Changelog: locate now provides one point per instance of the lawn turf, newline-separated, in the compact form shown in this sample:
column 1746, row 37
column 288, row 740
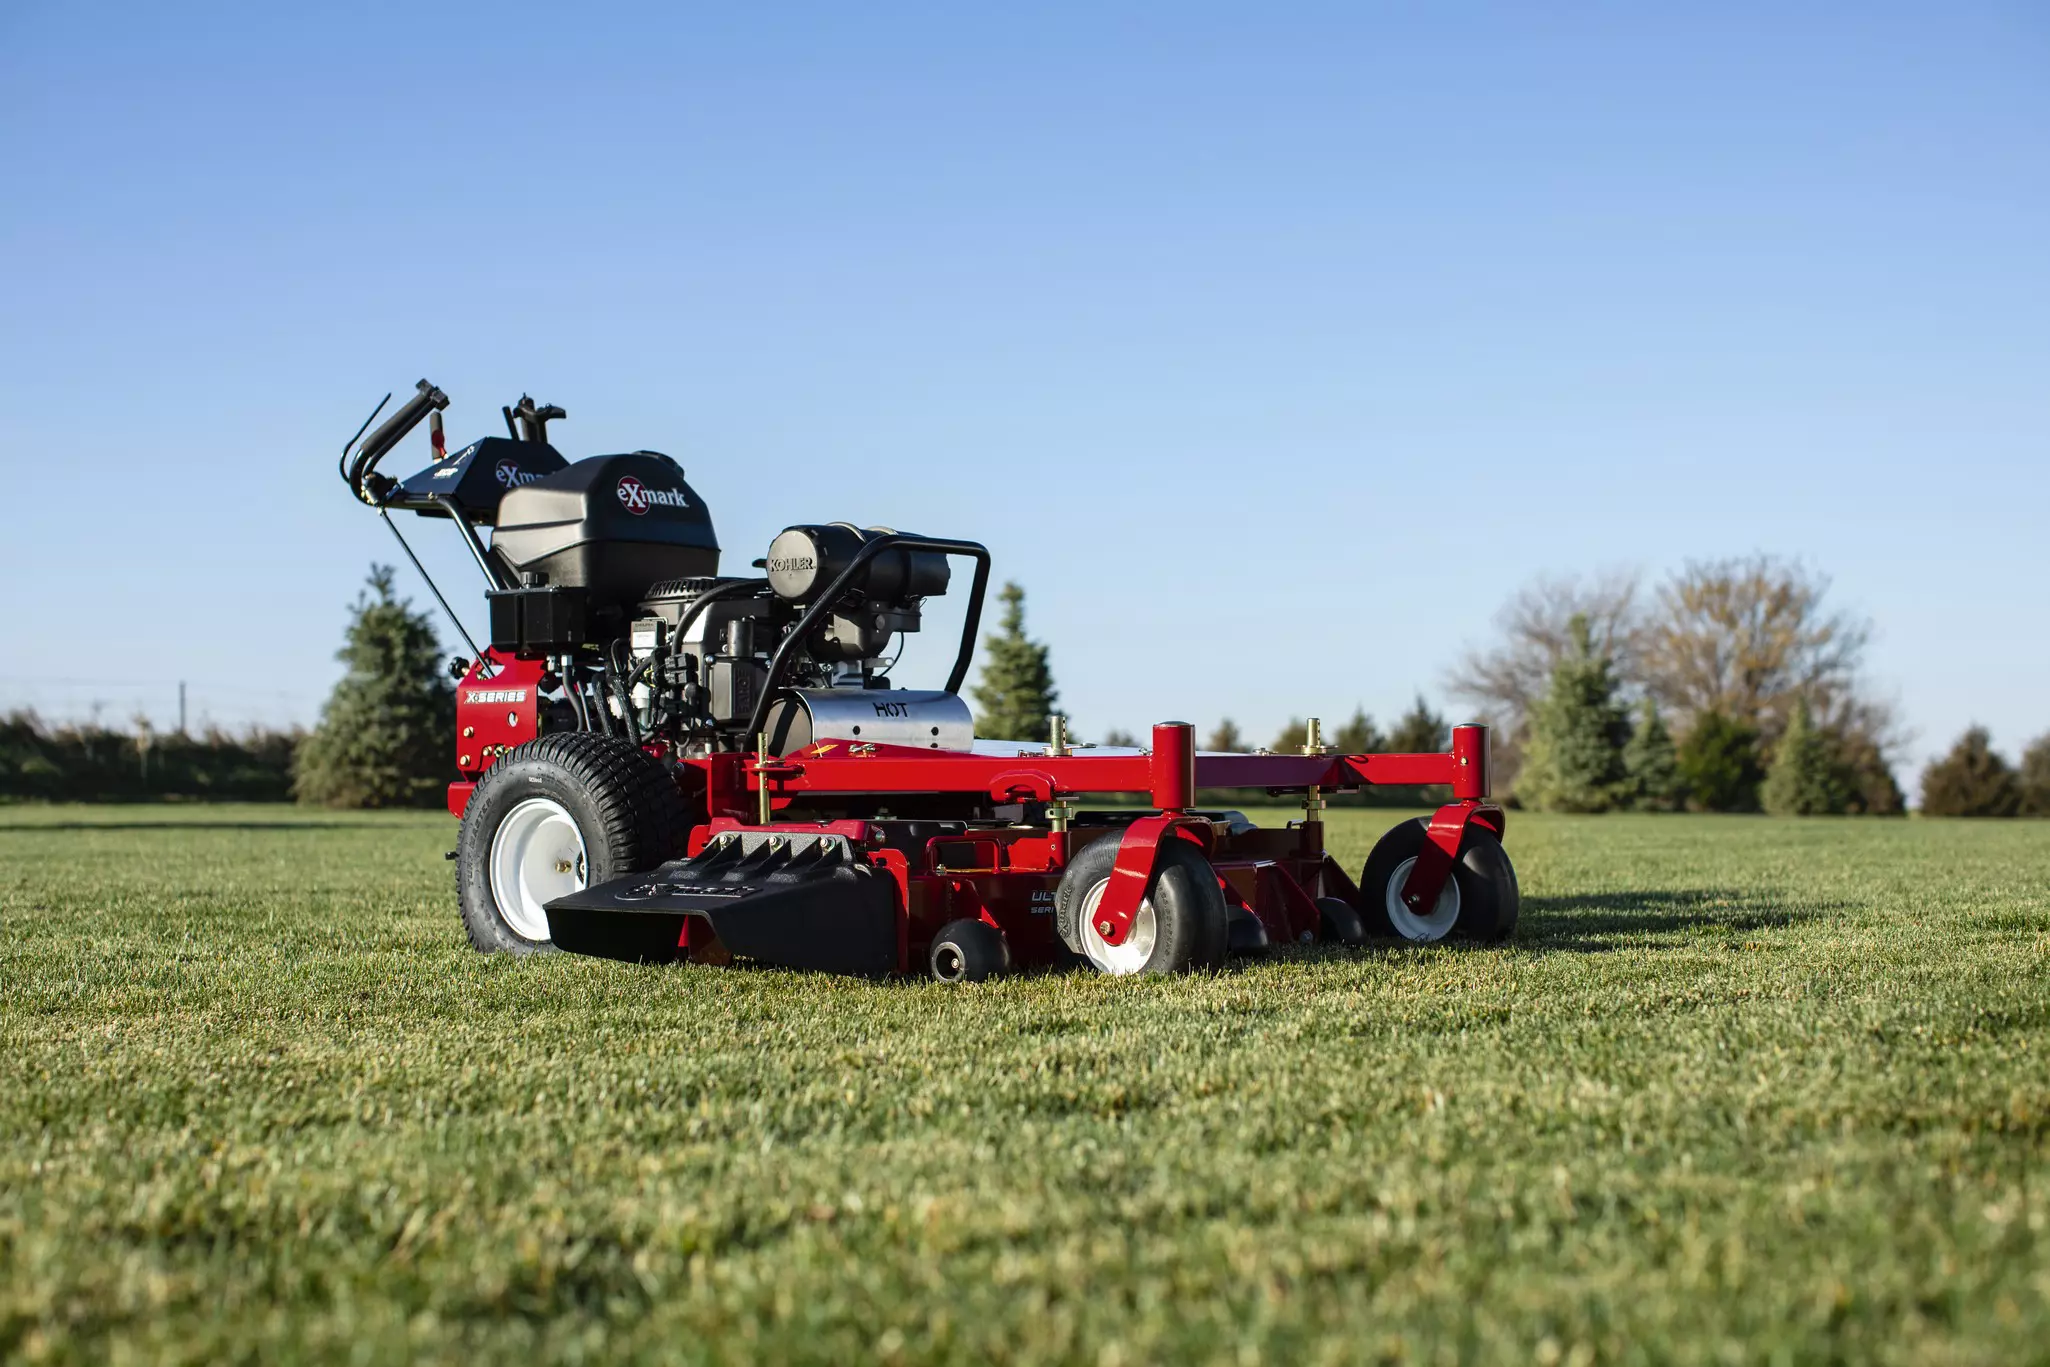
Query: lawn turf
column 1741, row 1090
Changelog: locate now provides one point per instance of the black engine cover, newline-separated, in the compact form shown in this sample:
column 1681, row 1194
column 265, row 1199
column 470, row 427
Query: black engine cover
column 612, row 525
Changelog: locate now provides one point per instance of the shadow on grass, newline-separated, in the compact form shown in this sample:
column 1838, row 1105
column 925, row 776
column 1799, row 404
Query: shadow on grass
column 1593, row 922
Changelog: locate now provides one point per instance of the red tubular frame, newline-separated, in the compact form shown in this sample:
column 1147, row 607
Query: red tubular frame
column 1276, row 874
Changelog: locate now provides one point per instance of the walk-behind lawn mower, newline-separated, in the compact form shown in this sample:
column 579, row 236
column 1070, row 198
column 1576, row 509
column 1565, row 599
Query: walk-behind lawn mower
column 659, row 762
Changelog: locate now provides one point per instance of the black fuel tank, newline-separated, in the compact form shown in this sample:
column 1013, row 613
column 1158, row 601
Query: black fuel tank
column 612, row 525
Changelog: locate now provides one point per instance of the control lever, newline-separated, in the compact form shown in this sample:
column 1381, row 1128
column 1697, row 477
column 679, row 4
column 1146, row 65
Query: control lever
column 534, row 419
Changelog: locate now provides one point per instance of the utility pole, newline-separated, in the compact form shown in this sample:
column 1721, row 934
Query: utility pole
column 181, row 707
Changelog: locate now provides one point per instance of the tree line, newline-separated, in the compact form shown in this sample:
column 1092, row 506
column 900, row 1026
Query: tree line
column 1731, row 686
column 95, row 763
column 383, row 739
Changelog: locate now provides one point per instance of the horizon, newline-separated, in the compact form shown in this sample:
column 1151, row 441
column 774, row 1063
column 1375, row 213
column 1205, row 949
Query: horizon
column 1270, row 354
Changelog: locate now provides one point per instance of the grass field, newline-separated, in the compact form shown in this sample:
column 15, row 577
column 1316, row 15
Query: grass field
column 1741, row 1091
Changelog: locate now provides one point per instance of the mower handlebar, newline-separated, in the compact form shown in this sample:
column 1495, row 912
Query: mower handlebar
column 362, row 469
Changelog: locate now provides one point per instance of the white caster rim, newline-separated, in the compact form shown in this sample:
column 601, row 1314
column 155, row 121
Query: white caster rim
column 537, row 855
column 1427, row 928
column 1119, row 960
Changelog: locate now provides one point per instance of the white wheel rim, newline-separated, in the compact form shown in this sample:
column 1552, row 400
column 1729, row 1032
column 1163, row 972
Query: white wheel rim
column 1117, row 960
column 537, row 855
column 1408, row 924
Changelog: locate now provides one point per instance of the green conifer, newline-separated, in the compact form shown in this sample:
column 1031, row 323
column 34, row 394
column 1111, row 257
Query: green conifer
column 1014, row 700
column 1867, row 777
column 1972, row 780
column 1719, row 764
column 1359, row 735
column 1806, row 777
column 387, row 729
column 1577, row 733
column 2035, row 778
column 1651, row 763
column 1420, row 731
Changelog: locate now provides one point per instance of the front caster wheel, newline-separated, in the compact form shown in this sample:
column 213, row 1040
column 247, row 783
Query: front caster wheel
column 968, row 951
column 1480, row 900
column 1181, row 924
column 1338, row 923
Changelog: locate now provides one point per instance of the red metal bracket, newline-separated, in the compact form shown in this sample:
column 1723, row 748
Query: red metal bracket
column 1022, row 785
column 497, row 708
column 1441, row 849
column 1133, row 870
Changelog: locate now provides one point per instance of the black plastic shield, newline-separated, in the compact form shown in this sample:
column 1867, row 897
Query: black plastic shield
column 795, row 901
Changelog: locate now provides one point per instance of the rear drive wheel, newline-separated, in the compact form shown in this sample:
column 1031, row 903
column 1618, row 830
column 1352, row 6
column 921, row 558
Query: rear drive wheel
column 1480, row 900
column 1181, row 924
column 552, row 816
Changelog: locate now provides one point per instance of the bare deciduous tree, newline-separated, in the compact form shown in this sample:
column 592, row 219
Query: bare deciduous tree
column 1742, row 638
column 1505, row 680
column 1748, row 638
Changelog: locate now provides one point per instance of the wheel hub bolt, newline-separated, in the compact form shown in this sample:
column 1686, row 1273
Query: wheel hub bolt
column 563, row 866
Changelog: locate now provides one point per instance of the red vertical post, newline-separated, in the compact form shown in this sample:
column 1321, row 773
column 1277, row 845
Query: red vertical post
column 1173, row 772
column 1470, row 763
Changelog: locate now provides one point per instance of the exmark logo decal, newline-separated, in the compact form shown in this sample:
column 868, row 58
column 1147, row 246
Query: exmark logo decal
column 490, row 695
column 510, row 474
column 636, row 497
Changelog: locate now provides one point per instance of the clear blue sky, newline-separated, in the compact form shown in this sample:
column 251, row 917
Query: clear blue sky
column 1269, row 346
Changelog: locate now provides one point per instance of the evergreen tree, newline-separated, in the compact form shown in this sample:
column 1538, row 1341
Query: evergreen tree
column 2035, row 777
column 1123, row 739
column 1972, row 780
column 1226, row 737
column 1359, row 735
column 1719, row 764
column 1866, row 776
column 386, row 730
column 1806, row 777
column 1420, row 731
column 1015, row 698
column 1651, row 763
column 1574, row 762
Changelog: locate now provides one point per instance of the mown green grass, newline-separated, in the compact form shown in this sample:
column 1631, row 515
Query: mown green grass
column 1740, row 1091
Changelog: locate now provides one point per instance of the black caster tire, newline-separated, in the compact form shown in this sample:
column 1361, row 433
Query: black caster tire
column 1184, row 908
column 1245, row 934
column 1338, row 923
column 554, row 815
column 1480, row 900
column 968, row 952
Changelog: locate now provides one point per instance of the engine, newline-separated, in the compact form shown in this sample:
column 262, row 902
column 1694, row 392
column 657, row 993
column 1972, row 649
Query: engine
column 613, row 568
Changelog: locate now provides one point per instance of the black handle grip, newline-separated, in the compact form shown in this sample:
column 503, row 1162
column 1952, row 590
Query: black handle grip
column 374, row 447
